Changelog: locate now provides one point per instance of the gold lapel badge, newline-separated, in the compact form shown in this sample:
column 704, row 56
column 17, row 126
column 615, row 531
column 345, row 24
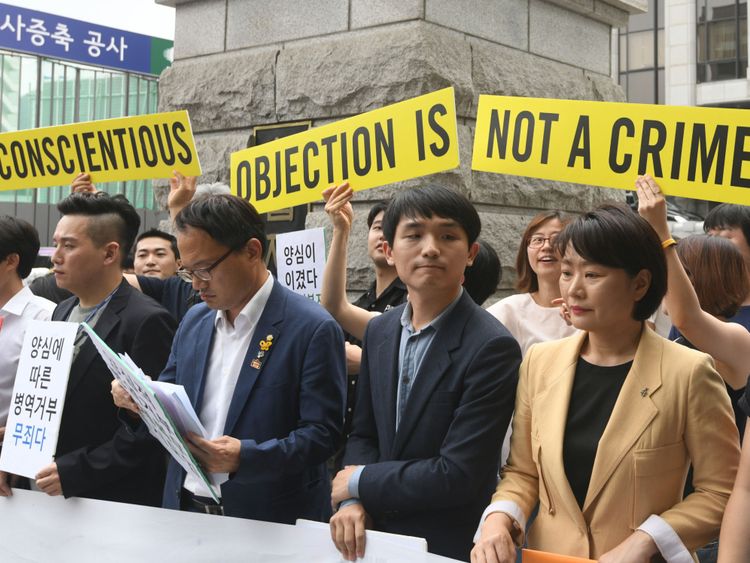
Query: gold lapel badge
column 265, row 346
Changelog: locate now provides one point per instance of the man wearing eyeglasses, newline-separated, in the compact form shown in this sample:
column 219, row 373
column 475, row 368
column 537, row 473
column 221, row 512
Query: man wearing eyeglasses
column 264, row 369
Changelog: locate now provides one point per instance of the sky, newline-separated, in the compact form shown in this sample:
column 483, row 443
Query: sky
column 138, row 16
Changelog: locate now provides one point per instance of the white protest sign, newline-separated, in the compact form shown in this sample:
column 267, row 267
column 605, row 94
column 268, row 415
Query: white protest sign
column 157, row 419
column 300, row 259
column 38, row 397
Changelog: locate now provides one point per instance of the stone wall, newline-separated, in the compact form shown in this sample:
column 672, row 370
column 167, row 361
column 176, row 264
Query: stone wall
column 241, row 63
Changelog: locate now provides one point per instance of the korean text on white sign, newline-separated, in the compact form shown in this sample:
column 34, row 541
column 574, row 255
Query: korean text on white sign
column 300, row 259
column 38, row 397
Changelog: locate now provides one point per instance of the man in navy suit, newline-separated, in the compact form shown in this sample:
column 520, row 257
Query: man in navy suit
column 435, row 394
column 264, row 369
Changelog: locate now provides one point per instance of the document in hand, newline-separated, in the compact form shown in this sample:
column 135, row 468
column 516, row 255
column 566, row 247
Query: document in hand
column 531, row 556
column 157, row 418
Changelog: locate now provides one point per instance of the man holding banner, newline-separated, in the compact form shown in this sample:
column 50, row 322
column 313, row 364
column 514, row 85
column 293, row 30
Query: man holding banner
column 96, row 458
column 263, row 368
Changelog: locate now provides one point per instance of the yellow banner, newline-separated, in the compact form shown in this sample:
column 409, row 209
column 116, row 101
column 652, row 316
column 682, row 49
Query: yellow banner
column 127, row 148
column 700, row 153
column 401, row 141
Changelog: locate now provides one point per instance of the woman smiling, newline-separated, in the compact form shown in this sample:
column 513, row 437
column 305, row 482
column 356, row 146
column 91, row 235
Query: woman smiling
column 530, row 315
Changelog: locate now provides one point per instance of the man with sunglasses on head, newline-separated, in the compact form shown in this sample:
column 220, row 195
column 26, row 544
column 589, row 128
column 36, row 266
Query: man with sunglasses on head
column 264, row 369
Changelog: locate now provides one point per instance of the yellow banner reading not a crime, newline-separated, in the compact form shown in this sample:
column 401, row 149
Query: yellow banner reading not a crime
column 397, row 142
column 140, row 147
column 700, row 153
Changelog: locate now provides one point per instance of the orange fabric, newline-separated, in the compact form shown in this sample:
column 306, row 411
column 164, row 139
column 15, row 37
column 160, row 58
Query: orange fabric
column 531, row 556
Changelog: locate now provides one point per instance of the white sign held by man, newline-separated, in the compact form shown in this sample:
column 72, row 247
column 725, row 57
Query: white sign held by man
column 300, row 259
column 38, row 397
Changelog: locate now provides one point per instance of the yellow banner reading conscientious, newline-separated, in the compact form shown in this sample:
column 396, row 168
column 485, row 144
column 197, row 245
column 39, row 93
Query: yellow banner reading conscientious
column 700, row 153
column 141, row 147
column 397, row 142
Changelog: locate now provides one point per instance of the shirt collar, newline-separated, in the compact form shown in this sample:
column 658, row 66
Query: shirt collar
column 18, row 302
column 434, row 323
column 252, row 311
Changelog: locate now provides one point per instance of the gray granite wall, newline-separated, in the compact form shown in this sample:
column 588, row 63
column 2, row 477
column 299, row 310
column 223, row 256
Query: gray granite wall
column 241, row 63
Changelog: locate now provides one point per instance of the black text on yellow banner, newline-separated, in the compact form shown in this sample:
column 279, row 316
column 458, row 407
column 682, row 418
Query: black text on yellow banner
column 700, row 153
column 397, row 142
column 141, row 147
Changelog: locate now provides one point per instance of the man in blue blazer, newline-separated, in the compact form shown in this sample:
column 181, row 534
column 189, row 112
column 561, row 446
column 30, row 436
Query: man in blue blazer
column 435, row 394
column 264, row 369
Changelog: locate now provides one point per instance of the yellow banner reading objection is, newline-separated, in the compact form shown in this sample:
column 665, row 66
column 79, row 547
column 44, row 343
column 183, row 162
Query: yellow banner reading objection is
column 140, row 147
column 397, row 142
column 700, row 153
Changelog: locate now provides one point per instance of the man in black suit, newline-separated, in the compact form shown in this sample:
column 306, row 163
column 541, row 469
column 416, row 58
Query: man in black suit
column 436, row 390
column 96, row 457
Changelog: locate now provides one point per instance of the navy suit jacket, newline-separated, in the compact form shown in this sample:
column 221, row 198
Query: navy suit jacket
column 434, row 476
column 288, row 412
column 96, row 457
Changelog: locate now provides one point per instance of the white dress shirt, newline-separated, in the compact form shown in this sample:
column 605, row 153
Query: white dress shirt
column 228, row 351
column 20, row 309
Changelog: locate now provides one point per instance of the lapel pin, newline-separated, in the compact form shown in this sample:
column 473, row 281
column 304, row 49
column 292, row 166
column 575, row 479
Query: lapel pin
column 644, row 391
column 265, row 346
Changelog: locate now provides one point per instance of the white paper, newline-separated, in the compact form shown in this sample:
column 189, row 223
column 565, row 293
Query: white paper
column 300, row 260
column 38, row 397
column 175, row 401
column 156, row 417
column 38, row 527
column 406, row 542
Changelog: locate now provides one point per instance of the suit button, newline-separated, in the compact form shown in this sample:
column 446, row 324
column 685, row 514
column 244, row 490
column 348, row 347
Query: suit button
column 552, row 511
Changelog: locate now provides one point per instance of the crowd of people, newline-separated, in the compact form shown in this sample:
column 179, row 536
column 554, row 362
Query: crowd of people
column 390, row 413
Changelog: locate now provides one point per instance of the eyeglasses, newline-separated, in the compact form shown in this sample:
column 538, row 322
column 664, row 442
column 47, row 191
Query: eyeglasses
column 537, row 241
column 203, row 274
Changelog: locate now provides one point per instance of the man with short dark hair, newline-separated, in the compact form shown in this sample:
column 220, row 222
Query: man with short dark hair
column 264, row 370
column 19, row 245
column 95, row 457
column 156, row 254
column 435, row 393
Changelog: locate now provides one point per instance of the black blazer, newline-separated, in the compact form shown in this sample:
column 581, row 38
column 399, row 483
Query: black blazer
column 96, row 456
column 434, row 477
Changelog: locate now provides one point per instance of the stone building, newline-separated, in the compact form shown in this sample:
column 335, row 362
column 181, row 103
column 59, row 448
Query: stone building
column 239, row 64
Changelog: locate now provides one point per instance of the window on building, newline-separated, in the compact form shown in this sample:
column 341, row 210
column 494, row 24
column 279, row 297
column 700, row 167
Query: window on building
column 721, row 39
column 38, row 92
column 642, row 55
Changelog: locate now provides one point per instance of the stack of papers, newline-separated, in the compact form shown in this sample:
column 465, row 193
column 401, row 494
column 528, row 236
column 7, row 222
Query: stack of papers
column 164, row 408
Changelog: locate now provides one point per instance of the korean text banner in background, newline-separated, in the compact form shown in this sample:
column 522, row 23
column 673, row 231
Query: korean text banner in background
column 300, row 260
column 394, row 143
column 700, row 153
column 58, row 37
column 140, row 147
column 38, row 397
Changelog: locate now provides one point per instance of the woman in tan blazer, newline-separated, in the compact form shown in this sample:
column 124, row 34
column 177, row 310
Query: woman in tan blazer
column 608, row 421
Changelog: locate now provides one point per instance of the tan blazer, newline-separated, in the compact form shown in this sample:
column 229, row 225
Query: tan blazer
column 673, row 409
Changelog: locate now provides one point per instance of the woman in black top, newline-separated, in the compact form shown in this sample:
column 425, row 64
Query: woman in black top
column 607, row 421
